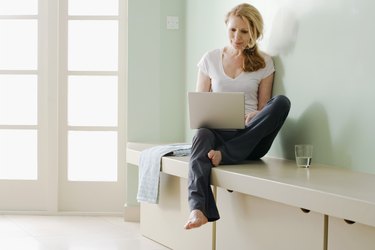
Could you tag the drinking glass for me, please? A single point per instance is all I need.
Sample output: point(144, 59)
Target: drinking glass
point(304, 153)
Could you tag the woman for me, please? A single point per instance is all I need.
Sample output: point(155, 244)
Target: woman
point(238, 67)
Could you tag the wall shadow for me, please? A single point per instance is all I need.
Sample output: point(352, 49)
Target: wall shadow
point(282, 40)
point(304, 130)
point(283, 33)
point(334, 140)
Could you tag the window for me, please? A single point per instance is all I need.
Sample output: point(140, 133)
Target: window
point(62, 104)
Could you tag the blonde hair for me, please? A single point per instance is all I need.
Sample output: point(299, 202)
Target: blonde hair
point(253, 59)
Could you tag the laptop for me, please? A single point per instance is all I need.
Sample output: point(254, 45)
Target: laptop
point(217, 110)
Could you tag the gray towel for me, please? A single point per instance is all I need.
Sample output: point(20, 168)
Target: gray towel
point(149, 169)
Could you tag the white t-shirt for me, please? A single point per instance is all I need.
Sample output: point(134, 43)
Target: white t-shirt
point(211, 64)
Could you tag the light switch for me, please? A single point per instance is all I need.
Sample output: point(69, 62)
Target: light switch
point(172, 23)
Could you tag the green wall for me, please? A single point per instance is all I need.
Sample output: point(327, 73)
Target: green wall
point(156, 85)
point(156, 72)
point(324, 55)
point(323, 52)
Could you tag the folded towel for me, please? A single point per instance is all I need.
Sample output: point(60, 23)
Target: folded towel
point(149, 169)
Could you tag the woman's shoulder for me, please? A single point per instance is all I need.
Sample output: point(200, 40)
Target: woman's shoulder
point(269, 67)
point(213, 53)
point(211, 56)
point(265, 56)
point(267, 59)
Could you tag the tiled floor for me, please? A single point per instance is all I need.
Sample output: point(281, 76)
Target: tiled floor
point(22, 232)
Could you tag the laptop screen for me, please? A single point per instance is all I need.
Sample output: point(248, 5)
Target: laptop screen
point(217, 110)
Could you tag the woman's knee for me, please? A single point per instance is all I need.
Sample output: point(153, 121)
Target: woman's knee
point(203, 135)
point(282, 103)
point(282, 100)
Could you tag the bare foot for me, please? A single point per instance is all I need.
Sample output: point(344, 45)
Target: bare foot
point(196, 219)
point(215, 157)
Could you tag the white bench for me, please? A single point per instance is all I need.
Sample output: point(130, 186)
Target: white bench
point(274, 205)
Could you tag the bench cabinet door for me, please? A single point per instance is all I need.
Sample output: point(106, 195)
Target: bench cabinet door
point(248, 222)
point(346, 236)
point(164, 222)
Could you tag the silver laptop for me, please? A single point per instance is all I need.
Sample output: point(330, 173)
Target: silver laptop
point(217, 110)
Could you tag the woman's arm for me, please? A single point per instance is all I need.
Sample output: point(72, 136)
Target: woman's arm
point(265, 91)
point(264, 95)
point(203, 83)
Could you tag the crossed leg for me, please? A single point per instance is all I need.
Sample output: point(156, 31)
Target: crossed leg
point(197, 218)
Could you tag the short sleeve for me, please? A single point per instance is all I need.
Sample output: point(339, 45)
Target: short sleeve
point(270, 68)
point(203, 65)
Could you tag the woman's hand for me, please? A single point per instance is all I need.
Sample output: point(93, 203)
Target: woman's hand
point(250, 116)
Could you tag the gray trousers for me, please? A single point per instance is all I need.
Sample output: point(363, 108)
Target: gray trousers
point(250, 143)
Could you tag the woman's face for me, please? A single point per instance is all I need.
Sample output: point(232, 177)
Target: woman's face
point(238, 32)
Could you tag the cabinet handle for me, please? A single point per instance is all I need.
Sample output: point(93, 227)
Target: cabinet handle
point(350, 222)
point(306, 211)
point(230, 191)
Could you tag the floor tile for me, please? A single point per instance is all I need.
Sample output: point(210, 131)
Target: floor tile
point(22, 232)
